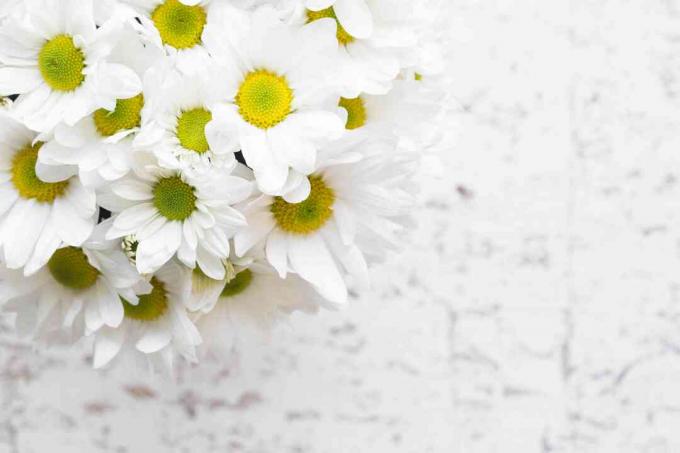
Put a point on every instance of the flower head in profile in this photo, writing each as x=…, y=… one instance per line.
x=41, y=208
x=172, y=214
x=55, y=58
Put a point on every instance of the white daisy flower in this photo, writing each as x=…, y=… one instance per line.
x=56, y=60
x=78, y=291
x=280, y=105
x=41, y=208
x=172, y=213
x=248, y=305
x=371, y=55
x=177, y=26
x=100, y=145
x=175, y=128
x=154, y=330
x=358, y=191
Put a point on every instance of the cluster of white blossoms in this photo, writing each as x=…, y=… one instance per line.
x=176, y=173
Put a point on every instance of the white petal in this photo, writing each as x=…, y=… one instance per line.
x=23, y=226
x=210, y=264
x=259, y=225
x=277, y=252
x=310, y=258
x=318, y=5
x=8, y=196
x=299, y=193
x=131, y=189
x=355, y=17
x=110, y=305
x=157, y=250
x=134, y=218
x=71, y=227
x=47, y=244
x=118, y=81
x=107, y=345
x=156, y=337
x=54, y=173
x=18, y=80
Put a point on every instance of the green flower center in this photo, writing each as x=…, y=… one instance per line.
x=129, y=245
x=179, y=25
x=191, y=129
x=356, y=112
x=310, y=215
x=70, y=267
x=61, y=63
x=126, y=115
x=27, y=183
x=174, y=199
x=344, y=38
x=238, y=284
x=151, y=306
x=418, y=76
x=264, y=98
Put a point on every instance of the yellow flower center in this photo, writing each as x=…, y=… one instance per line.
x=191, y=129
x=180, y=26
x=264, y=98
x=70, y=267
x=61, y=63
x=356, y=112
x=174, y=199
x=27, y=183
x=238, y=284
x=308, y=216
x=126, y=115
x=344, y=38
x=151, y=306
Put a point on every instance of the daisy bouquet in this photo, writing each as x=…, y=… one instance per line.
x=175, y=174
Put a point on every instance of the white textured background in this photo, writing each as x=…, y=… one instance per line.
x=537, y=310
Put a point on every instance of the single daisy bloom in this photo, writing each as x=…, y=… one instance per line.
x=155, y=329
x=358, y=193
x=175, y=126
x=100, y=145
x=249, y=304
x=54, y=57
x=78, y=291
x=280, y=104
x=371, y=55
x=170, y=213
x=41, y=208
x=176, y=26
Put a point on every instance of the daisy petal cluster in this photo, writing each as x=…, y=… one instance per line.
x=178, y=175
